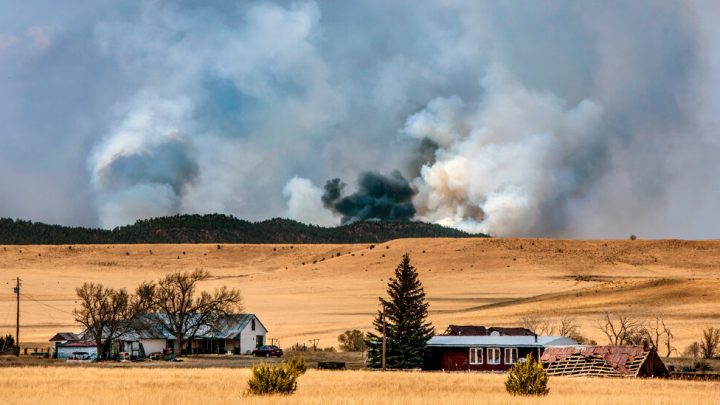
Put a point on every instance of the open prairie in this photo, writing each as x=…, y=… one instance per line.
x=317, y=291
x=225, y=386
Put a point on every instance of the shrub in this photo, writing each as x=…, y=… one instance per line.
x=278, y=379
x=633, y=237
x=298, y=364
x=528, y=378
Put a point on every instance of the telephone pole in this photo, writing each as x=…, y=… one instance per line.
x=17, y=318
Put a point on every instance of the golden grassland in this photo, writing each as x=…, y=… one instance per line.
x=318, y=291
x=80, y=386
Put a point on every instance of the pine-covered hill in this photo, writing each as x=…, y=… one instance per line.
x=217, y=228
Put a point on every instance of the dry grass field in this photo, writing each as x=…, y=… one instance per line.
x=317, y=291
x=80, y=386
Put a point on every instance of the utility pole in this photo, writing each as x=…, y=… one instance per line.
x=17, y=318
x=384, y=343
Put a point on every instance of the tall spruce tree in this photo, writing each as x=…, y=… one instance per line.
x=406, y=328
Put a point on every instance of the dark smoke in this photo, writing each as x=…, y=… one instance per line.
x=378, y=197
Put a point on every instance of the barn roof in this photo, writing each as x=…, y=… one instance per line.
x=477, y=330
x=465, y=330
x=515, y=331
x=499, y=341
x=606, y=361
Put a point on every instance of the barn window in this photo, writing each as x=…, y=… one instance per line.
x=493, y=355
x=476, y=355
x=252, y=324
x=511, y=355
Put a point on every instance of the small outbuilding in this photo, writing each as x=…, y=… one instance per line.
x=604, y=361
x=77, y=350
x=486, y=353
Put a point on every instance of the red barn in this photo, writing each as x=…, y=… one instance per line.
x=487, y=353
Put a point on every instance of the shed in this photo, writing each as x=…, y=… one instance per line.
x=76, y=349
x=604, y=361
x=486, y=353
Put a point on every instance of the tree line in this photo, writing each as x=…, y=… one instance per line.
x=218, y=228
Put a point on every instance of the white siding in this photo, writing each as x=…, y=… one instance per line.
x=248, y=336
x=153, y=345
x=65, y=352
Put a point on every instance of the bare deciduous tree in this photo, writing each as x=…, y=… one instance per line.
x=567, y=326
x=621, y=328
x=710, y=343
x=659, y=334
x=538, y=324
x=183, y=312
x=104, y=312
x=693, y=350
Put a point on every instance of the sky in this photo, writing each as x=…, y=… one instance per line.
x=576, y=119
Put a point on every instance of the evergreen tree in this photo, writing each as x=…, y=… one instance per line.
x=406, y=328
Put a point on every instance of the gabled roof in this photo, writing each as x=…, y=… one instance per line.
x=465, y=330
x=607, y=361
x=516, y=331
x=499, y=341
x=151, y=326
x=65, y=336
x=477, y=330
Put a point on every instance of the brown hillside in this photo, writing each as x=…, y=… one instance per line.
x=307, y=291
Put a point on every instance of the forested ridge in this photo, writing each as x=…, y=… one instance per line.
x=218, y=228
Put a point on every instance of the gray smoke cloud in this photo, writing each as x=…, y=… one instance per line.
x=378, y=197
x=544, y=119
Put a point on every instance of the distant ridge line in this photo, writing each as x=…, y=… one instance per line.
x=219, y=228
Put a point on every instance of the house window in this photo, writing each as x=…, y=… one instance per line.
x=511, y=355
x=476, y=355
x=493, y=355
x=252, y=324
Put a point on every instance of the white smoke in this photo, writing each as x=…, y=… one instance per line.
x=579, y=119
x=502, y=166
x=305, y=204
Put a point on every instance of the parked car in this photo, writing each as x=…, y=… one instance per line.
x=267, y=351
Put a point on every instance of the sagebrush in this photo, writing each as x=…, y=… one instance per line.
x=527, y=378
x=276, y=379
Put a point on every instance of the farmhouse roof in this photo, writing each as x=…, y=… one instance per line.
x=151, y=326
x=465, y=330
x=516, y=331
x=607, y=361
x=499, y=341
x=476, y=330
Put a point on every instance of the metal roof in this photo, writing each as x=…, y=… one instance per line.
x=596, y=360
x=150, y=326
x=65, y=336
x=499, y=341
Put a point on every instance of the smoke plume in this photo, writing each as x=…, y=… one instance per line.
x=569, y=119
x=378, y=197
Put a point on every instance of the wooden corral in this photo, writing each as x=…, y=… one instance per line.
x=604, y=361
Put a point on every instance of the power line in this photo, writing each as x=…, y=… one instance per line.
x=47, y=305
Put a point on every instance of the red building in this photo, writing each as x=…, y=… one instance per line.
x=487, y=353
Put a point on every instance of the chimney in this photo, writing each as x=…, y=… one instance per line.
x=535, y=337
x=646, y=345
